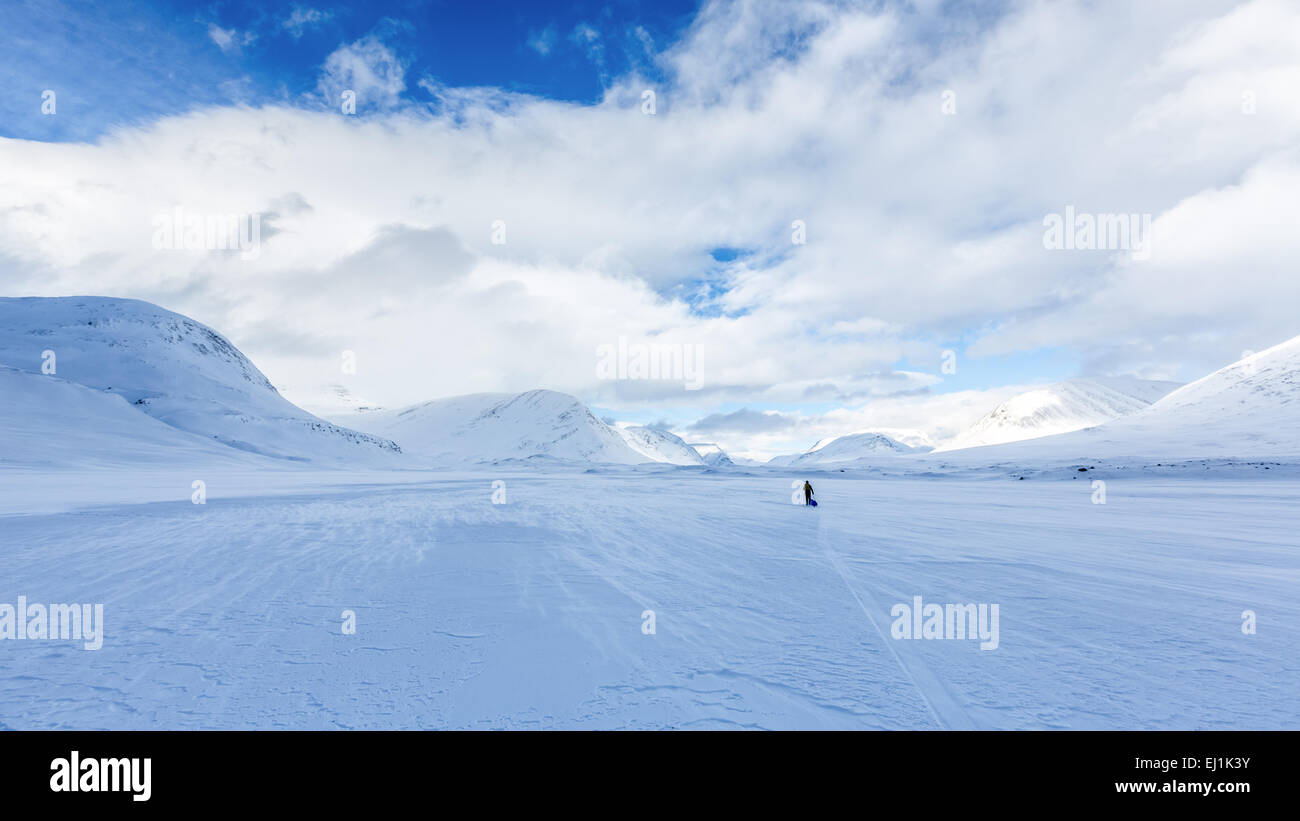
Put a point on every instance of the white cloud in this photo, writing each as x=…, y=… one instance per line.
x=303, y=18
x=230, y=41
x=368, y=67
x=587, y=38
x=544, y=41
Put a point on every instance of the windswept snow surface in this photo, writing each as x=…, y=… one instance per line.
x=530, y=614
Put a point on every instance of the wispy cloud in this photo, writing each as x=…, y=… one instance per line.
x=302, y=18
x=586, y=37
x=368, y=67
x=230, y=41
x=543, y=42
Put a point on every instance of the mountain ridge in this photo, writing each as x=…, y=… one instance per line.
x=173, y=369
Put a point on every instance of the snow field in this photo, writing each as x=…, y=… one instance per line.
x=767, y=614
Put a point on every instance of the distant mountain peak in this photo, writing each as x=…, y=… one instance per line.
x=539, y=424
x=713, y=455
x=853, y=446
x=660, y=445
x=1060, y=408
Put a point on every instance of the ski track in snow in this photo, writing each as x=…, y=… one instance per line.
x=769, y=615
x=955, y=719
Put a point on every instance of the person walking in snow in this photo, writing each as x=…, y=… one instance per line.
x=807, y=492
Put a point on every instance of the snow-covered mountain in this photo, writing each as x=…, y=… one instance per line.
x=659, y=446
x=1249, y=410
x=47, y=422
x=498, y=427
x=1060, y=408
x=1250, y=396
x=782, y=460
x=170, y=368
x=838, y=449
x=713, y=455
x=329, y=401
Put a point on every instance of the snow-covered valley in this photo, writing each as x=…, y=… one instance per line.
x=530, y=613
x=512, y=560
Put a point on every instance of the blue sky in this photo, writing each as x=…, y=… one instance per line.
x=124, y=63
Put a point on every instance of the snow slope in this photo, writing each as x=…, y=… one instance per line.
x=498, y=427
x=174, y=370
x=713, y=455
x=1250, y=395
x=1249, y=410
x=1060, y=408
x=329, y=401
x=659, y=446
x=50, y=423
